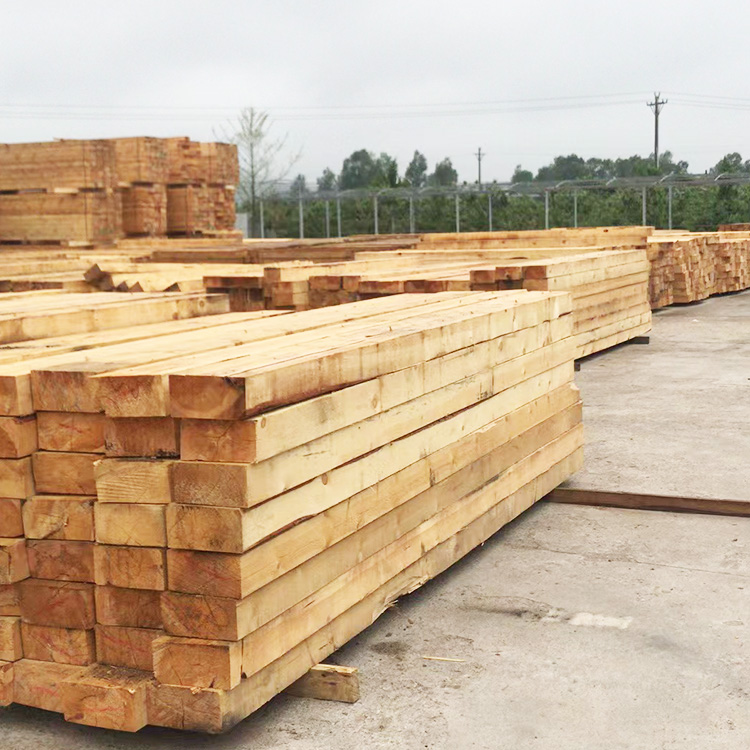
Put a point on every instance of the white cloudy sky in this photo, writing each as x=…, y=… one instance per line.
x=524, y=80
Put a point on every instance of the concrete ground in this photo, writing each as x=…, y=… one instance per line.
x=576, y=627
x=673, y=417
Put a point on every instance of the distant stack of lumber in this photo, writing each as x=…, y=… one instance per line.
x=201, y=184
x=609, y=287
x=99, y=190
x=47, y=267
x=122, y=276
x=262, y=490
x=59, y=190
x=609, y=290
x=690, y=267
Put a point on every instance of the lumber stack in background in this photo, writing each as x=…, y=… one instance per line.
x=609, y=290
x=259, y=504
x=690, y=267
x=97, y=191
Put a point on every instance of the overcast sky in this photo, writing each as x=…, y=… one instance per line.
x=525, y=81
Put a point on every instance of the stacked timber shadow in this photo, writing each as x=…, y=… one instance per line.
x=96, y=191
x=209, y=507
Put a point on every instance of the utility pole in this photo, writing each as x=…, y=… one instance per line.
x=479, y=156
x=657, y=105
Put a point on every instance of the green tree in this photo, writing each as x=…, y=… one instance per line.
x=416, y=172
x=327, y=182
x=298, y=186
x=444, y=174
x=731, y=164
x=386, y=172
x=521, y=175
x=358, y=170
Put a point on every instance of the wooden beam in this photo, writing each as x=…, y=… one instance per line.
x=650, y=502
x=328, y=682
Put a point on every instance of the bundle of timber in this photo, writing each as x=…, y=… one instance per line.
x=83, y=216
x=27, y=316
x=160, y=277
x=47, y=485
x=141, y=160
x=97, y=191
x=58, y=165
x=200, y=210
x=609, y=290
x=691, y=267
x=623, y=237
x=185, y=161
x=144, y=210
x=257, y=505
x=220, y=164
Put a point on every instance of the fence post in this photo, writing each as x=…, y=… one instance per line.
x=644, y=206
x=375, y=211
x=338, y=214
x=411, y=214
x=301, y=220
x=669, y=202
x=262, y=222
x=546, y=209
x=458, y=214
x=575, y=209
x=328, y=219
x=489, y=210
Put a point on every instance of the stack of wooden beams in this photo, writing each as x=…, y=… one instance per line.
x=201, y=184
x=609, y=289
x=144, y=210
x=260, y=503
x=690, y=267
x=97, y=191
x=159, y=277
x=63, y=190
x=36, y=465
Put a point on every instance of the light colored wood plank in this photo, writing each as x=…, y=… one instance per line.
x=327, y=682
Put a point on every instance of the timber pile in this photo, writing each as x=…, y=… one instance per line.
x=609, y=287
x=159, y=277
x=98, y=191
x=252, y=507
x=609, y=290
x=691, y=267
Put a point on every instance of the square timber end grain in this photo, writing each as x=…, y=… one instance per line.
x=59, y=645
x=64, y=473
x=60, y=604
x=16, y=478
x=107, y=697
x=6, y=683
x=10, y=639
x=130, y=567
x=11, y=518
x=64, y=517
x=14, y=563
x=38, y=683
x=130, y=524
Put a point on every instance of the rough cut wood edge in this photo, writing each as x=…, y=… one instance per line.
x=328, y=682
x=637, y=501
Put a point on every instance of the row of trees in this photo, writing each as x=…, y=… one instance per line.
x=364, y=170
x=265, y=166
